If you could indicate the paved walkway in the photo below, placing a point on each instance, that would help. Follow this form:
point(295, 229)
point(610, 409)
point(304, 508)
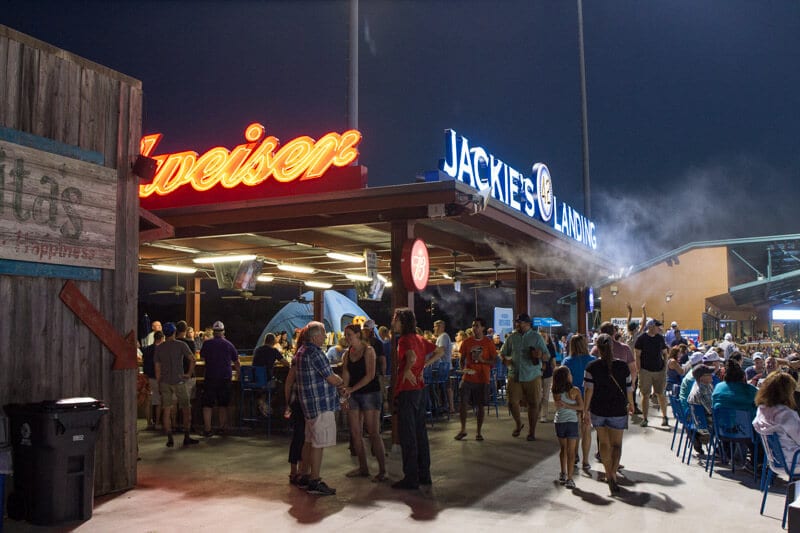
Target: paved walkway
point(240, 483)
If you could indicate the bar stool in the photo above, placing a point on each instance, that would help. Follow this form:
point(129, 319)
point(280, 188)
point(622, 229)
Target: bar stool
point(253, 382)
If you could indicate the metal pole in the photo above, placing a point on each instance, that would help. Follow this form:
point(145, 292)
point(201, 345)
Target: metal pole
point(587, 197)
point(352, 90)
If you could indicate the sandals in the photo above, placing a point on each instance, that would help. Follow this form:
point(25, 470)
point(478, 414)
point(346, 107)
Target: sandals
point(460, 436)
point(379, 477)
point(357, 473)
point(478, 437)
point(517, 431)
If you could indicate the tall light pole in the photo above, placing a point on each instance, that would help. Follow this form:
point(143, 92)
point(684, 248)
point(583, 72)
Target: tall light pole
point(587, 197)
point(352, 87)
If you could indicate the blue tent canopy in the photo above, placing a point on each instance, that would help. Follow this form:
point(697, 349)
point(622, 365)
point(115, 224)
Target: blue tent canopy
point(338, 311)
point(546, 322)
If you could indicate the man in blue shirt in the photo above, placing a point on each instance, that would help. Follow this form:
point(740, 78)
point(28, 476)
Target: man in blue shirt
point(523, 353)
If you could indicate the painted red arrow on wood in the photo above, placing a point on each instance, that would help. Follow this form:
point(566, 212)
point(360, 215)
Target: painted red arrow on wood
point(124, 349)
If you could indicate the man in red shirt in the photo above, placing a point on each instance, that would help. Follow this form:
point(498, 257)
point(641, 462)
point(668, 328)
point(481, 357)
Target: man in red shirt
point(412, 350)
point(478, 355)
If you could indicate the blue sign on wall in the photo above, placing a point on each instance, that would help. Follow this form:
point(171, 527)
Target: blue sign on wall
point(532, 195)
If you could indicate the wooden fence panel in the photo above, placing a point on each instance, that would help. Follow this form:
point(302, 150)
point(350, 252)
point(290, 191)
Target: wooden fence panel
point(46, 352)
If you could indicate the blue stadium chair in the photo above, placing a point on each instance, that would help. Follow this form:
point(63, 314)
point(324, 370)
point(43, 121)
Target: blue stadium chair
point(699, 423)
point(734, 428)
point(680, 420)
point(774, 465)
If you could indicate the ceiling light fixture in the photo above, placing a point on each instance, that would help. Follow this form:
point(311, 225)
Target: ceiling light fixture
point(318, 284)
point(358, 277)
point(388, 284)
point(175, 268)
point(349, 258)
point(383, 278)
point(173, 247)
point(211, 259)
point(300, 269)
point(264, 278)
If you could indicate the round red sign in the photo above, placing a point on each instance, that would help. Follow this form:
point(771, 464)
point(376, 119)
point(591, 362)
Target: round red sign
point(415, 264)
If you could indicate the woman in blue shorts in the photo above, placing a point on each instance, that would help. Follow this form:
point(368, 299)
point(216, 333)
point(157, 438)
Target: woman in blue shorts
point(569, 403)
point(364, 390)
point(608, 402)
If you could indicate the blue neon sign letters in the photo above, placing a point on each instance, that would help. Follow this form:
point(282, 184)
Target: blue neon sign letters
point(533, 196)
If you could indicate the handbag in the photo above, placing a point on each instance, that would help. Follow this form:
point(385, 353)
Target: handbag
point(611, 375)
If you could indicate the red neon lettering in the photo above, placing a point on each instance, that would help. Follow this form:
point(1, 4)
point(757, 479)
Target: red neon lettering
point(251, 163)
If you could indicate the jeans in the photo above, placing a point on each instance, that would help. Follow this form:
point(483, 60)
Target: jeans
point(414, 436)
point(299, 433)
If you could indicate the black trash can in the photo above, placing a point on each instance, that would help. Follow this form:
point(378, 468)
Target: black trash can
point(53, 446)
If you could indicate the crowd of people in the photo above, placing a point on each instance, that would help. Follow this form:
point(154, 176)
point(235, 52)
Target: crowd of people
point(590, 380)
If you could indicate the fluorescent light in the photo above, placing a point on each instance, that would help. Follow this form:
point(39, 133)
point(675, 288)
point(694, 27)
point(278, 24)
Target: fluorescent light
point(349, 258)
point(318, 284)
point(300, 269)
point(383, 278)
point(358, 277)
point(445, 275)
point(388, 284)
point(211, 259)
point(175, 268)
point(174, 247)
point(264, 278)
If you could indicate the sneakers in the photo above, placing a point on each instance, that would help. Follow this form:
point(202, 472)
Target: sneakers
point(569, 484)
point(170, 442)
point(208, 434)
point(562, 478)
point(302, 481)
point(644, 423)
point(319, 488)
point(665, 422)
point(188, 441)
point(636, 410)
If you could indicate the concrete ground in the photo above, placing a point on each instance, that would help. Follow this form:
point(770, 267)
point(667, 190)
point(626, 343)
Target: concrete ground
point(239, 483)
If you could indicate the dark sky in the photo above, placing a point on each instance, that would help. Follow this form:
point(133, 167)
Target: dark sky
point(693, 106)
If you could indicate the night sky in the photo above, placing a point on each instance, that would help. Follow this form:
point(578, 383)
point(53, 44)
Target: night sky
point(693, 106)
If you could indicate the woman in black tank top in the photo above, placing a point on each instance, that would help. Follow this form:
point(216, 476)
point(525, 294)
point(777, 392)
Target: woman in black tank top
point(364, 407)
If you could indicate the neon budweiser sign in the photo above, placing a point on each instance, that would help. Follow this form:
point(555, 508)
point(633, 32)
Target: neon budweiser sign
point(248, 164)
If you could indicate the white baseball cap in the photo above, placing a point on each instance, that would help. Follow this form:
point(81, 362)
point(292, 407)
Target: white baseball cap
point(218, 326)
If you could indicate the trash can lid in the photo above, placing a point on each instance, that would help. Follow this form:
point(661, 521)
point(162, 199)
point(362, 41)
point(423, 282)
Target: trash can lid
point(72, 404)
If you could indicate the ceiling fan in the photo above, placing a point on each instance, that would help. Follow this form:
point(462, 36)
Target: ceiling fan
point(246, 295)
point(176, 290)
point(455, 274)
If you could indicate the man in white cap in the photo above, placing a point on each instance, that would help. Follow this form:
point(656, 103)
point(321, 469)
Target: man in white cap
point(688, 379)
point(757, 371)
point(220, 355)
point(670, 335)
point(728, 346)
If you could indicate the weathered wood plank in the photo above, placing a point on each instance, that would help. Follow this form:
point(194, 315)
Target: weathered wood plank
point(29, 77)
point(73, 104)
point(43, 270)
point(30, 140)
point(3, 75)
point(86, 118)
point(43, 105)
point(12, 86)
